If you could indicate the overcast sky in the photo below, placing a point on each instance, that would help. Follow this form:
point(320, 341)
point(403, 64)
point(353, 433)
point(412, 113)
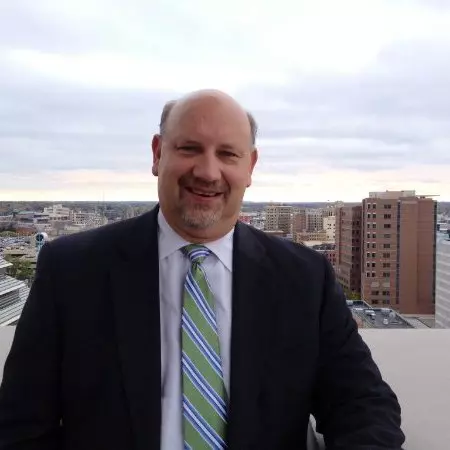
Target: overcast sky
point(350, 96)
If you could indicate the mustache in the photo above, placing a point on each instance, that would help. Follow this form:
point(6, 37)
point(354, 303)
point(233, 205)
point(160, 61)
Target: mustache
point(199, 183)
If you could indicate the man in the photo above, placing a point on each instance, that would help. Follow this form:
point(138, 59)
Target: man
point(185, 329)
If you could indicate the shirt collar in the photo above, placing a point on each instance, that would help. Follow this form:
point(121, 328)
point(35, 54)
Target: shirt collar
point(170, 242)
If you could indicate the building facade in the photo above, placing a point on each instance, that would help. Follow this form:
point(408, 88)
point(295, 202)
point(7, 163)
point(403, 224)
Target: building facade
point(399, 247)
point(299, 221)
point(443, 284)
point(348, 248)
point(305, 236)
point(314, 220)
point(279, 218)
point(329, 225)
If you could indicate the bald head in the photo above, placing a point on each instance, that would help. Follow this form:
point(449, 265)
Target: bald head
point(175, 107)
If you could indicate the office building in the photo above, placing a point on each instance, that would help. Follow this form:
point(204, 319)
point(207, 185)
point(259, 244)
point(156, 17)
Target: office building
point(329, 225)
point(399, 251)
point(318, 236)
point(314, 220)
point(279, 218)
point(348, 248)
point(13, 295)
point(299, 221)
point(443, 284)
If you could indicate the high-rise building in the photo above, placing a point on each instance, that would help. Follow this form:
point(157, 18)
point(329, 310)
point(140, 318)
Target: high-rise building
point(299, 221)
point(443, 283)
point(348, 247)
point(279, 218)
point(314, 220)
point(329, 225)
point(399, 247)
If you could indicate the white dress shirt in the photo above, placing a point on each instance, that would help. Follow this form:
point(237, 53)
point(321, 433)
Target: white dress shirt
point(173, 267)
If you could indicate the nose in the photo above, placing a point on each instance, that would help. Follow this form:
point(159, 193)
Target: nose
point(207, 167)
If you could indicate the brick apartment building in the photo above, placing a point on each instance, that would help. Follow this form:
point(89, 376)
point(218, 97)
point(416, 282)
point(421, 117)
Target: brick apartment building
point(348, 247)
point(398, 251)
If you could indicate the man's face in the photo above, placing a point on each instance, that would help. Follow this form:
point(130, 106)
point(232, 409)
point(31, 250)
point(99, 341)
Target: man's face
point(204, 163)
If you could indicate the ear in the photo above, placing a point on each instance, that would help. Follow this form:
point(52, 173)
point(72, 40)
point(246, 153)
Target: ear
point(156, 149)
point(254, 159)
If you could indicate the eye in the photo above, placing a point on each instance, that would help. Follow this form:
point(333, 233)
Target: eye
point(228, 154)
point(188, 148)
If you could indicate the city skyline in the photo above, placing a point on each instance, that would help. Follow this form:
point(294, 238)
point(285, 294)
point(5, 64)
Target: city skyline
point(349, 96)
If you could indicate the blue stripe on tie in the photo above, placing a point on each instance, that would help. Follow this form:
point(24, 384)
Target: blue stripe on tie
point(203, 387)
point(202, 304)
point(207, 432)
point(187, 446)
point(192, 420)
point(196, 254)
point(201, 343)
point(206, 278)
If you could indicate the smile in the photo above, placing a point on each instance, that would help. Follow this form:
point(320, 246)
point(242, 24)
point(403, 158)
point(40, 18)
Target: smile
point(202, 193)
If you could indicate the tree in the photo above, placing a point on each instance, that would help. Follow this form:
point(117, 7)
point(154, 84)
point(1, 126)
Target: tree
point(20, 269)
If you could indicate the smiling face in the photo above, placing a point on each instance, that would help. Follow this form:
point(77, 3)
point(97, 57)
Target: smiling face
point(204, 161)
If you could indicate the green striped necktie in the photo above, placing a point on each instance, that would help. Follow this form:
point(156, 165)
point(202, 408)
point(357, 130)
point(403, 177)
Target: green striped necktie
point(204, 395)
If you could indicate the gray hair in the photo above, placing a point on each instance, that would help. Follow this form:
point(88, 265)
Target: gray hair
point(169, 106)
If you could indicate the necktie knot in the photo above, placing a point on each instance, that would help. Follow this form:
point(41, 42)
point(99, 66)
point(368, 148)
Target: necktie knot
point(196, 253)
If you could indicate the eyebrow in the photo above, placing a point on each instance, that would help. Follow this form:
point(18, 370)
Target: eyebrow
point(224, 146)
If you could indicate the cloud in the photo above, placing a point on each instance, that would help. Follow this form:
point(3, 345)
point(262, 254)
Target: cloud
point(348, 90)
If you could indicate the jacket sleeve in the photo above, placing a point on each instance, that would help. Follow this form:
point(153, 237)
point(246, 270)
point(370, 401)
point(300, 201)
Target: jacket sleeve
point(353, 407)
point(29, 394)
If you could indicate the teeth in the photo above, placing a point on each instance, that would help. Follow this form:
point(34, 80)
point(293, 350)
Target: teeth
point(209, 194)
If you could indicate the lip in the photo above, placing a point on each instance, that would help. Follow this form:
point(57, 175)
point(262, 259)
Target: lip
point(201, 198)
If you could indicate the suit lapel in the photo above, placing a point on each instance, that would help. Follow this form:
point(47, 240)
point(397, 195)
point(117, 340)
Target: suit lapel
point(135, 294)
point(253, 298)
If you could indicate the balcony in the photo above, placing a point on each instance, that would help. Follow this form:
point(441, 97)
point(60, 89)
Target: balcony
point(413, 362)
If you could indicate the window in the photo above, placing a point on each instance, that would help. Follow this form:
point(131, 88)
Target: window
point(386, 265)
point(387, 225)
point(386, 293)
point(386, 245)
point(386, 275)
point(373, 255)
point(368, 255)
point(373, 264)
point(368, 215)
point(368, 235)
point(387, 216)
point(373, 275)
point(368, 205)
point(368, 264)
point(375, 293)
point(367, 274)
point(386, 302)
point(388, 206)
point(375, 302)
point(386, 255)
point(374, 245)
point(374, 235)
point(368, 245)
point(386, 236)
point(374, 225)
point(374, 206)
point(374, 215)
point(368, 225)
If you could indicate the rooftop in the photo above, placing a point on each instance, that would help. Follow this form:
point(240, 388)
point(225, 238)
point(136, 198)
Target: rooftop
point(370, 317)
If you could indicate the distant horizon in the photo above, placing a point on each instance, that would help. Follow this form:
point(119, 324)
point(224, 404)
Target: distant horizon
point(156, 201)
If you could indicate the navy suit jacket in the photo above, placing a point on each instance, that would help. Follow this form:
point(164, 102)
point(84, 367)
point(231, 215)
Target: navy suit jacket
point(84, 370)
